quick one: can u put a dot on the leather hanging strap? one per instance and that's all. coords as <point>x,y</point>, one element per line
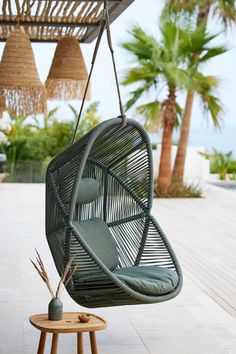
<point>105,24</point>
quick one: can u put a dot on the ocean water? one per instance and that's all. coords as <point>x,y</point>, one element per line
<point>208,137</point>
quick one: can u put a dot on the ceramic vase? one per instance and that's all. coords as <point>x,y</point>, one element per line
<point>55,309</point>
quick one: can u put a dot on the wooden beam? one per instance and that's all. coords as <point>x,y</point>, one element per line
<point>36,40</point>
<point>47,23</point>
<point>86,0</point>
<point>115,10</point>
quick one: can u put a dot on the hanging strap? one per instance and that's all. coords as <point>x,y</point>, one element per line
<point>105,23</point>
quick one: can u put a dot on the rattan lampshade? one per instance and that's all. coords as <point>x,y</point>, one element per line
<point>20,85</point>
<point>68,74</point>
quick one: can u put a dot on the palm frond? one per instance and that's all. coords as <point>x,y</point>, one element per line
<point>212,52</point>
<point>204,84</point>
<point>179,115</point>
<point>212,105</point>
<point>151,111</point>
<point>178,76</point>
<point>135,95</point>
<point>177,7</point>
<point>138,74</point>
<point>142,45</point>
<point>225,10</point>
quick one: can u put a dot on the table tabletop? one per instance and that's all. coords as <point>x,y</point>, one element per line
<point>69,323</point>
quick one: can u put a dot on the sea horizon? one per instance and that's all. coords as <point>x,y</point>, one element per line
<point>207,137</point>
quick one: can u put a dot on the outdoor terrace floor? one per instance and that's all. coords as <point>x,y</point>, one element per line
<point>201,320</point>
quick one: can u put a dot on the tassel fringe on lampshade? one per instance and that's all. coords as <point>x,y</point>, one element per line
<point>2,106</point>
<point>20,85</point>
<point>68,75</point>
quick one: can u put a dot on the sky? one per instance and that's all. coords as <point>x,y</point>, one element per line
<point>103,85</point>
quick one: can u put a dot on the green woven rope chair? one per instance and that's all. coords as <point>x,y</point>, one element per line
<point>98,209</point>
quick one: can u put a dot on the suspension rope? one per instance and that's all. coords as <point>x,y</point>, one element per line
<point>105,23</point>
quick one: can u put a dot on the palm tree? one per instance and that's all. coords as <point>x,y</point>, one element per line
<point>205,86</point>
<point>199,10</point>
<point>159,65</point>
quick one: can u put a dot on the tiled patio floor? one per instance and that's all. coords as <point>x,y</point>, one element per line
<point>201,320</point>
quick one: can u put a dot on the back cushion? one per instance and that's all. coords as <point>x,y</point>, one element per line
<point>88,190</point>
<point>97,235</point>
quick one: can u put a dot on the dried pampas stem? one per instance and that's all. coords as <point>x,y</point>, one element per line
<point>65,278</point>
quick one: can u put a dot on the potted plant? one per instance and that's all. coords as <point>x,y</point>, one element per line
<point>55,307</point>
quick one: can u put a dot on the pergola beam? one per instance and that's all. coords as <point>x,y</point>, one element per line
<point>86,0</point>
<point>36,40</point>
<point>115,11</point>
<point>48,23</point>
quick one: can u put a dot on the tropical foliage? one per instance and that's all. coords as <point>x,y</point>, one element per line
<point>30,144</point>
<point>205,87</point>
<point>160,67</point>
<point>221,163</point>
<point>200,11</point>
<point>173,62</point>
<point>197,13</point>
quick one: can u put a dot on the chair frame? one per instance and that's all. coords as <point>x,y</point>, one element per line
<point>120,158</point>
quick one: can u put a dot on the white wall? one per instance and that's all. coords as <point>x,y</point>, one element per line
<point>196,166</point>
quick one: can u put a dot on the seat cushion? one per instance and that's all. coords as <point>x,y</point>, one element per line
<point>148,280</point>
<point>97,235</point>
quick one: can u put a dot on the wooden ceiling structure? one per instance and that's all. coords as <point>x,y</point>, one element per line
<point>48,20</point>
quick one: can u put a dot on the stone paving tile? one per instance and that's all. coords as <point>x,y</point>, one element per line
<point>193,323</point>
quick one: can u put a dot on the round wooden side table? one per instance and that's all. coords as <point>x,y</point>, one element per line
<point>69,324</point>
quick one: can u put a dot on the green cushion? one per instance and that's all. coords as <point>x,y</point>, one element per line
<point>88,190</point>
<point>148,280</point>
<point>97,235</point>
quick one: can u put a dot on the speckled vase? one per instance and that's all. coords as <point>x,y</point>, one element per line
<point>55,309</point>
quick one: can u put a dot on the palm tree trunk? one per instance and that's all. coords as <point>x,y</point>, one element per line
<point>164,176</point>
<point>178,172</point>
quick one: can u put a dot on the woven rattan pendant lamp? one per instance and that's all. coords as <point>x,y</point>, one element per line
<point>19,80</point>
<point>68,74</point>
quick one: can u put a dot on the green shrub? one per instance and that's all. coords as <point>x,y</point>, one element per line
<point>30,147</point>
<point>232,167</point>
<point>154,146</point>
<point>220,163</point>
<point>181,191</point>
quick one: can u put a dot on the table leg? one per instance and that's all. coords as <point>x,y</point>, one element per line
<point>93,343</point>
<point>80,349</point>
<point>54,343</point>
<point>42,341</point>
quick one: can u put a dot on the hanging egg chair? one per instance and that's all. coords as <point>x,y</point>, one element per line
<point>98,210</point>
<point>68,75</point>
<point>20,86</point>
